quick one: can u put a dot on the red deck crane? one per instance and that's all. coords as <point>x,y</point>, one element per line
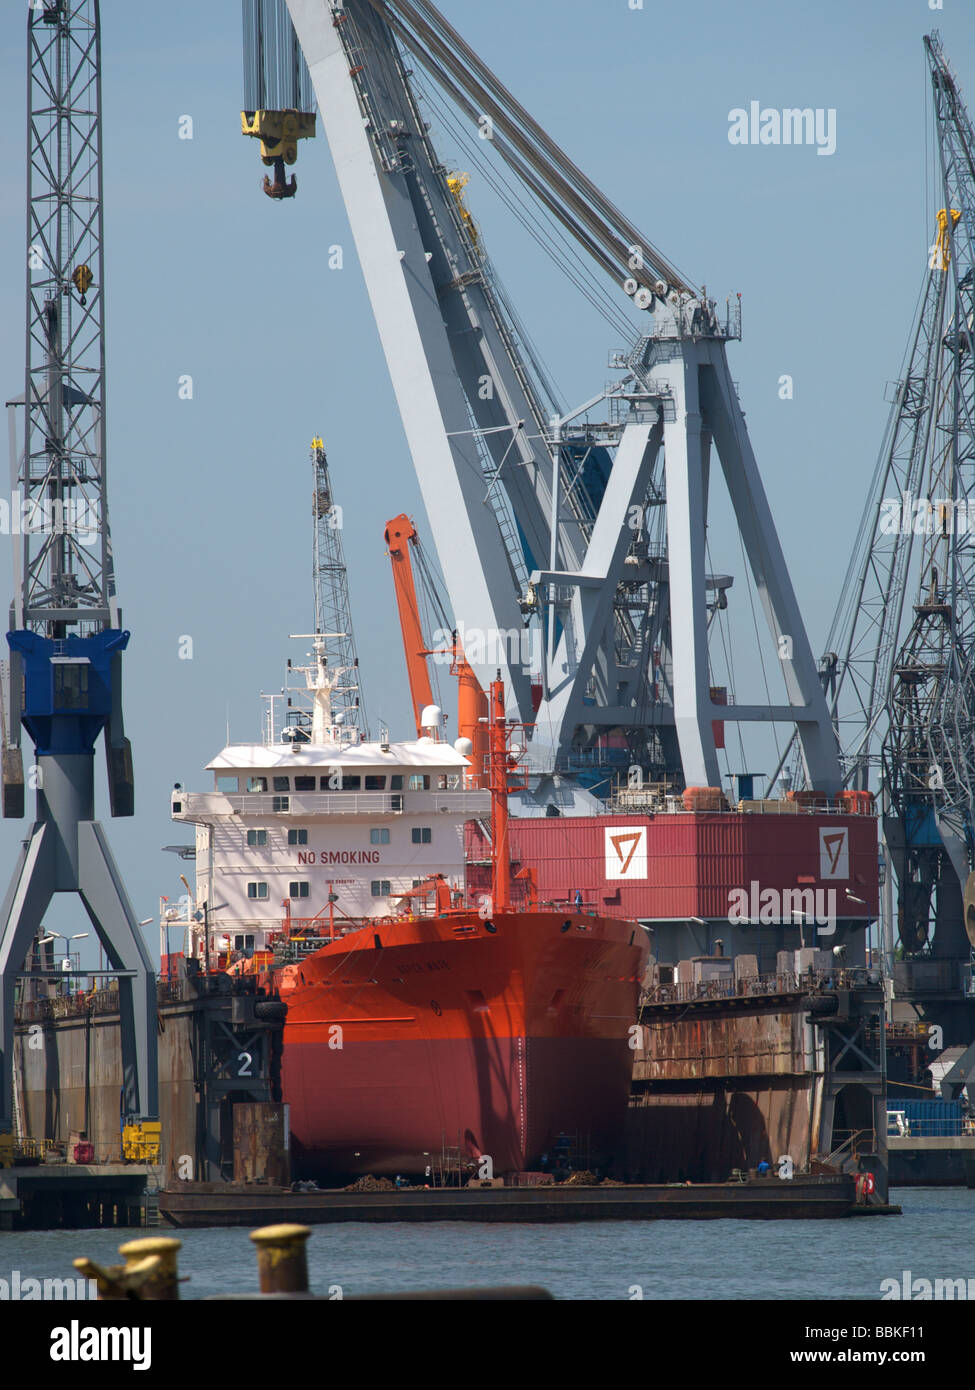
<point>472,705</point>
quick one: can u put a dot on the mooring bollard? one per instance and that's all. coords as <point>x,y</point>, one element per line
<point>282,1260</point>
<point>150,1272</point>
<point>162,1283</point>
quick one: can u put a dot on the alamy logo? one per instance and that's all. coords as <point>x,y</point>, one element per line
<point>793,125</point>
<point>758,906</point>
<point>908,515</point>
<point>514,647</point>
<point>44,516</point>
<point>19,1290</point>
<point>77,1343</point>
<point>923,1290</point>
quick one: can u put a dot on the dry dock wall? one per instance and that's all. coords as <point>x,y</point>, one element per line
<point>53,1057</point>
<point>715,1090</point>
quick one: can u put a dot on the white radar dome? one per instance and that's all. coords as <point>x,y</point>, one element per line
<point>464,747</point>
<point>431,717</point>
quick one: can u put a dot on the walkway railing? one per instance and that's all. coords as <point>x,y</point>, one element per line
<point>788,982</point>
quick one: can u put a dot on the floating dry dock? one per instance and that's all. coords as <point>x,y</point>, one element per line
<point>802,1197</point>
<point>50,1196</point>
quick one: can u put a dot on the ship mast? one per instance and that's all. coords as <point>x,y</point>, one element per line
<point>504,758</point>
<point>500,849</point>
<point>334,638</point>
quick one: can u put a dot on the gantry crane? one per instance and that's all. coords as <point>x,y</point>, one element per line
<point>901,666</point>
<point>63,680</point>
<point>531,505</point>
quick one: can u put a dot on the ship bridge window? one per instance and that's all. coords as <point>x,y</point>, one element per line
<point>256,839</point>
<point>421,834</point>
<point>297,837</point>
<point>379,836</point>
<point>375,783</point>
<point>396,782</point>
<point>298,889</point>
<point>304,784</point>
<point>282,784</point>
<point>257,784</point>
<point>380,887</point>
<point>419,782</point>
<point>228,784</point>
<point>340,781</point>
<point>257,890</point>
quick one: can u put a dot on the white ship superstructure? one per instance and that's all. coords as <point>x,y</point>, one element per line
<point>314,823</point>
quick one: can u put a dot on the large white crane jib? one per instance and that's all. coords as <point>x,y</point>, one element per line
<point>501,480</point>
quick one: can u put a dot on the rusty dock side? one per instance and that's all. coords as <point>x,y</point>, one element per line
<point>804,1197</point>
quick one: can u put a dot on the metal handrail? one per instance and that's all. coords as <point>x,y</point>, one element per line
<point>787,982</point>
<point>851,1143</point>
<point>462,801</point>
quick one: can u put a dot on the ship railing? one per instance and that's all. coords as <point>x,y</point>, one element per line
<point>856,1142</point>
<point>316,803</point>
<point>906,1032</point>
<point>76,1005</point>
<point>174,991</point>
<point>195,805</point>
<point>782,982</point>
<point>651,803</point>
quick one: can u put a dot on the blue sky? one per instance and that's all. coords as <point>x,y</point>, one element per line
<point>209,497</point>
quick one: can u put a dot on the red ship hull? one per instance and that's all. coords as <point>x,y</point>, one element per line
<point>410,1041</point>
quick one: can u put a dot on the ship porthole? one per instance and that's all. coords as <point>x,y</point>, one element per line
<point>566,926</point>
<point>489,926</point>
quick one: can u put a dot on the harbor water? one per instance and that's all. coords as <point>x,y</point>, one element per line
<point>610,1260</point>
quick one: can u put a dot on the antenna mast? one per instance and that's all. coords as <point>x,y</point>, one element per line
<point>334,637</point>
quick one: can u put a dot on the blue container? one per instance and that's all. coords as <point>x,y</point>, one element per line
<point>930,1119</point>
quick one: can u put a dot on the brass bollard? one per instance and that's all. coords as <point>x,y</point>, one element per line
<point>150,1271</point>
<point>162,1283</point>
<point>282,1261</point>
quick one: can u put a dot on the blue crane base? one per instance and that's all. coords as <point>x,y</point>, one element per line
<point>70,687</point>
<point>71,692</point>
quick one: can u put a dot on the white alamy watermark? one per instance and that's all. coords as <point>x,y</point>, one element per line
<point>920,1290</point>
<point>793,125</point>
<point>512,647</point>
<point>926,516</point>
<point>768,906</point>
<point>16,1288</point>
<point>46,516</point>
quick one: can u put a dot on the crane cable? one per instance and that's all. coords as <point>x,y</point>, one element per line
<point>584,280</point>
<point>545,154</point>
